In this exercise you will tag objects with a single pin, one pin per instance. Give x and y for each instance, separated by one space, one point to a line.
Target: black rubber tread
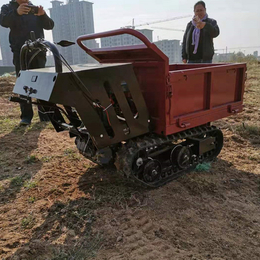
126 155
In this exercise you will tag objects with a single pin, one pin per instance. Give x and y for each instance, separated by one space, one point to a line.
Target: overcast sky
239 20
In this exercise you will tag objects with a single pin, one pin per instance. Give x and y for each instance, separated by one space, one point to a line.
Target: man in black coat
17 16
197 46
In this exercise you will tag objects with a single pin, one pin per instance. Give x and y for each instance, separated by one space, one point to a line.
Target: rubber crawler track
127 154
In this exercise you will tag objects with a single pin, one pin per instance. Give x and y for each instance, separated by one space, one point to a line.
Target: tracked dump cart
132 109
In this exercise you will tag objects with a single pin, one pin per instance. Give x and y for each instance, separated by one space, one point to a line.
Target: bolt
101 136
154 172
139 162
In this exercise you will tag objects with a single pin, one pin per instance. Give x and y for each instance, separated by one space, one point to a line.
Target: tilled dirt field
55 204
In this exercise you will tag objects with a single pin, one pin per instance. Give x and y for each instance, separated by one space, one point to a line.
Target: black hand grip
18 99
64 43
32 35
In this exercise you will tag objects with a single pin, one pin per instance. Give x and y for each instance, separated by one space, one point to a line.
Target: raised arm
212 28
45 21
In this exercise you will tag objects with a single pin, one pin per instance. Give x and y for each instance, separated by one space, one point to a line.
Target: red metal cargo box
178 96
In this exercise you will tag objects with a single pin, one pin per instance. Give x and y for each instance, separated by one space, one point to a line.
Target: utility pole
226 54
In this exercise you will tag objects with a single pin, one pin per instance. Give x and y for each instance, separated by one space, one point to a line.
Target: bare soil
55 204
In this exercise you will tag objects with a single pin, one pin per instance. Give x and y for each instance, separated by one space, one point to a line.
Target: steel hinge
169 86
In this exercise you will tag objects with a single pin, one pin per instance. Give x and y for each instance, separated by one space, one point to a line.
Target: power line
232 48
169 29
158 21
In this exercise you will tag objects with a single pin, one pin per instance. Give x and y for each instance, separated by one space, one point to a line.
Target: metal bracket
183 124
233 110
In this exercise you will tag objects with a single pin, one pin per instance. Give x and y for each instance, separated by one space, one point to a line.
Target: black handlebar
41 45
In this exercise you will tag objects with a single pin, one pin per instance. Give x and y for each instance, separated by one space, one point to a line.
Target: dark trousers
38 62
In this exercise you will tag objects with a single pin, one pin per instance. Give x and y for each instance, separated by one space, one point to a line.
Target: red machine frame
178 96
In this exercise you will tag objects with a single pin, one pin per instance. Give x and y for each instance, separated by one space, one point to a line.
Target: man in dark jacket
17 16
197 46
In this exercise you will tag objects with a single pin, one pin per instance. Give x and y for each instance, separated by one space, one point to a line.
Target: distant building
223 57
255 53
125 39
171 48
7 55
73 19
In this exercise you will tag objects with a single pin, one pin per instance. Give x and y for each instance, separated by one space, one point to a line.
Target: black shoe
24 123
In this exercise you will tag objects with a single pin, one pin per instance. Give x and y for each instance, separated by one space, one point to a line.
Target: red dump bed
178 96
203 94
